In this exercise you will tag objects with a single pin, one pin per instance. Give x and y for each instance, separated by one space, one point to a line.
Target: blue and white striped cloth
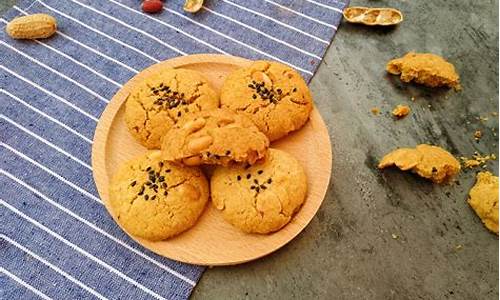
56 238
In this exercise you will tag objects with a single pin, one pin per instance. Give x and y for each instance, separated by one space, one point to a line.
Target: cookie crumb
477 135
394 236
375 111
401 111
476 160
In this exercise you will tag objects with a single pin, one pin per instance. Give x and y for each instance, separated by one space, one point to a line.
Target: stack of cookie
180 118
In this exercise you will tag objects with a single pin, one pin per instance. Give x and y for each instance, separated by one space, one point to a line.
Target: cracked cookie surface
215 137
273 95
425 68
154 199
157 103
428 161
483 198
261 198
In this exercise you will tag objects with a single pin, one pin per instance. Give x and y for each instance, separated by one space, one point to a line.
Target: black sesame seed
148 183
263 187
260 172
251 86
257 189
165 193
269 181
149 168
161 178
248 176
164 185
434 170
294 90
254 96
133 183
238 177
179 114
141 191
151 172
167 171
255 181
252 187
146 197
279 91
154 196
160 164
157 174
228 152
154 186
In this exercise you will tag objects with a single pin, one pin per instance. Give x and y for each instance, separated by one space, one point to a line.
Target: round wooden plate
212 241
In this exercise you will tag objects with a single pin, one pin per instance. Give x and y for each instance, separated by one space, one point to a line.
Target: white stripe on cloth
276 21
23 283
73 60
98 31
131 27
49 93
98 229
47 116
171 27
83 252
86 47
301 14
262 33
325 6
56 72
46 142
45 262
237 41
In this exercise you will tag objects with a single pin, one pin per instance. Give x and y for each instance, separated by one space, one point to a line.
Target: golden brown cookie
428 161
483 198
273 95
425 68
261 198
154 199
215 137
158 102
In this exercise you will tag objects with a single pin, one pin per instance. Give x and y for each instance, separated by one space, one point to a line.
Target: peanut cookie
216 137
273 95
154 199
428 161
261 198
156 104
425 68
483 198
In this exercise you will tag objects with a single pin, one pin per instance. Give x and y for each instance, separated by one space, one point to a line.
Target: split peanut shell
373 16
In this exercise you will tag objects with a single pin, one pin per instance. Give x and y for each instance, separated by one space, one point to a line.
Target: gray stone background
441 249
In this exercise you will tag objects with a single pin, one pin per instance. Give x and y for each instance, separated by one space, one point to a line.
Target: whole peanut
37 26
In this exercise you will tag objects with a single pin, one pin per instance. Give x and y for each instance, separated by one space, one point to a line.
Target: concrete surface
391 235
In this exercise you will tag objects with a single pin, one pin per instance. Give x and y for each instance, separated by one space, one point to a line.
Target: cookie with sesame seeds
261 198
214 137
273 95
158 102
154 199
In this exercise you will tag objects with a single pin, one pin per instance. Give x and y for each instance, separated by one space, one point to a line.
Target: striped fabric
56 238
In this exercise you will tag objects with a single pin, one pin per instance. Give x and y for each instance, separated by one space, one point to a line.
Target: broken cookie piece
483 198
425 68
401 111
428 161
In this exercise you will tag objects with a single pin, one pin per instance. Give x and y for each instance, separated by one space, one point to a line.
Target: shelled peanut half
373 16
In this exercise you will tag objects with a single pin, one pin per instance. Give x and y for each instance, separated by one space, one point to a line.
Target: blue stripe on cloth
56 238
